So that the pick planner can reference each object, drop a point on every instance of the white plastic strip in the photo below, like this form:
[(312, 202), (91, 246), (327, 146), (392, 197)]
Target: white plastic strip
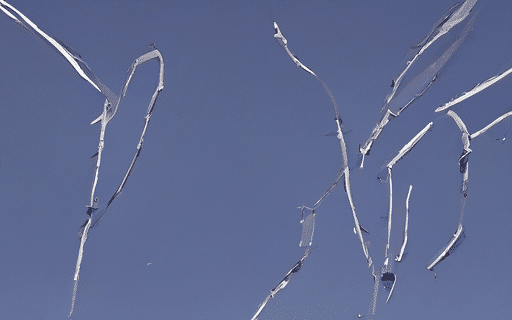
[(478, 88), (410, 145), (404, 244)]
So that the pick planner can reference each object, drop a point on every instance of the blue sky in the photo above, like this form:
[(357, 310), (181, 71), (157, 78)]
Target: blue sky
[(207, 223)]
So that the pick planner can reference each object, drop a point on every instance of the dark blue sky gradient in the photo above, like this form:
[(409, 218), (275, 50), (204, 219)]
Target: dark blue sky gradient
[(207, 223)]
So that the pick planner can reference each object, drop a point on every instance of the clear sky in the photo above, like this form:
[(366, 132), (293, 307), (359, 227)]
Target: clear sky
[(208, 222)]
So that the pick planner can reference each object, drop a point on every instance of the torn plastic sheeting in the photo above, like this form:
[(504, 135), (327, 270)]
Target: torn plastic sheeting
[(417, 87), (308, 228), (456, 14)]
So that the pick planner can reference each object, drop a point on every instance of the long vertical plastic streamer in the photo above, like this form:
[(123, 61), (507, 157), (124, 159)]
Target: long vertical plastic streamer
[(109, 110), (344, 169)]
